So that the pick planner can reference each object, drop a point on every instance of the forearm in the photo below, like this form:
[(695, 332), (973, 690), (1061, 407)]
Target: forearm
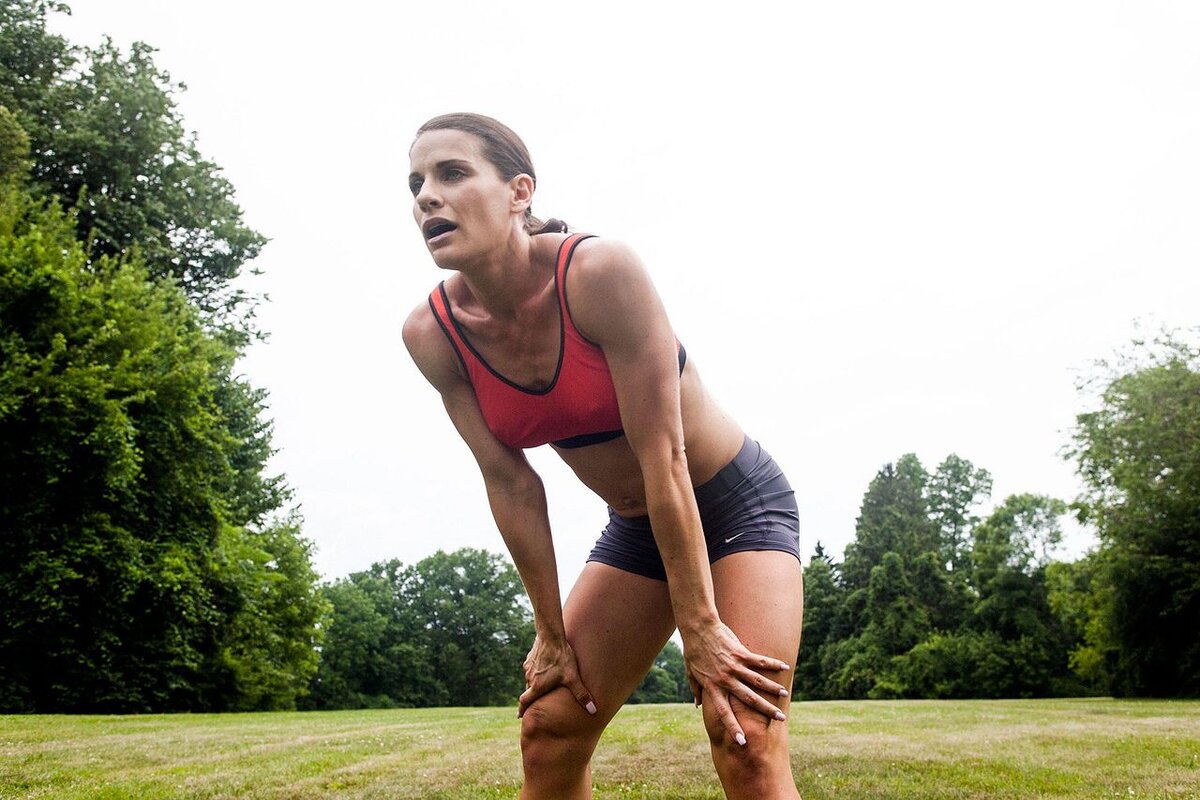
[(524, 524), (680, 539)]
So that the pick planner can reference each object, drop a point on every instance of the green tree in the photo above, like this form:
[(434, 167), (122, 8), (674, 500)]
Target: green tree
[(1139, 456), (478, 624), (894, 519), (108, 140), (130, 571), (666, 682), (453, 629), (1079, 600), (954, 489), (374, 654), (823, 598)]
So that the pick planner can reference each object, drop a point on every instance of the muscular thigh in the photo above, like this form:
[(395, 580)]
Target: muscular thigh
[(616, 622), (760, 596)]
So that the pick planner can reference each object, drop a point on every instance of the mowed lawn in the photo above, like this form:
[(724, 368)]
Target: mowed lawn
[(882, 749)]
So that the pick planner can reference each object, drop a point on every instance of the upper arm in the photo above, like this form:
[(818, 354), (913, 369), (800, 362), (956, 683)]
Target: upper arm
[(614, 303), (504, 469)]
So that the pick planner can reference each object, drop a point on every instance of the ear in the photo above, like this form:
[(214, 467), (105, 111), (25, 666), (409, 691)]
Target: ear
[(522, 192)]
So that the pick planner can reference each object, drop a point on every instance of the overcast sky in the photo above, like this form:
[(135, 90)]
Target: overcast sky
[(879, 228)]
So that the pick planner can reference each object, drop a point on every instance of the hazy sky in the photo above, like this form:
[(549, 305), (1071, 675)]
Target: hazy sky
[(878, 227)]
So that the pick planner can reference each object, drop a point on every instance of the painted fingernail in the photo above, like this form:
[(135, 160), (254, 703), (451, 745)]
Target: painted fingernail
[(783, 693), (779, 716), (740, 738), (783, 665), (591, 707)]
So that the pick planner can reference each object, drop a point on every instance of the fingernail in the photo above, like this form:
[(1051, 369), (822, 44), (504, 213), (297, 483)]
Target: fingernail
[(779, 716), (783, 693), (783, 665), (739, 738), (591, 707), (696, 700)]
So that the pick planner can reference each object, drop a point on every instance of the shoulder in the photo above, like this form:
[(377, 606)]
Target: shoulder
[(607, 273), (598, 260), (609, 290), (429, 348)]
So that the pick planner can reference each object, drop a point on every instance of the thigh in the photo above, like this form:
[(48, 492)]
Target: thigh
[(760, 596), (616, 622)]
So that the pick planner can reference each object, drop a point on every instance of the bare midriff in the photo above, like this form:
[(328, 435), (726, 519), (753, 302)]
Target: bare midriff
[(611, 470)]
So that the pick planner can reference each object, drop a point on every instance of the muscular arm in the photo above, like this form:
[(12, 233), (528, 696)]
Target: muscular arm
[(517, 499), (613, 302)]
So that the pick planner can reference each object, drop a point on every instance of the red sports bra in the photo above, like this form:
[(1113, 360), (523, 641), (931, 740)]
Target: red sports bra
[(577, 409)]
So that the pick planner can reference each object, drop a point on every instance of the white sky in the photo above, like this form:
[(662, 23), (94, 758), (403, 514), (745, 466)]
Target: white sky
[(878, 227)]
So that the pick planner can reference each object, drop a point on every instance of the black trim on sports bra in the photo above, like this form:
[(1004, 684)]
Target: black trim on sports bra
[(562, 348), (585, 439)]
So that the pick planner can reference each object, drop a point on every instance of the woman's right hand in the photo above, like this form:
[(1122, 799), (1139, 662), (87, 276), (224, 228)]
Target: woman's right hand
[(550, 664)]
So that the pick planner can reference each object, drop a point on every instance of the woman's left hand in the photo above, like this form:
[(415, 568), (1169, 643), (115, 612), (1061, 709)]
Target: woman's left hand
[(720, 667)]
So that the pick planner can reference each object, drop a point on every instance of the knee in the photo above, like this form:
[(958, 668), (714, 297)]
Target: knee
[(756, 766), (555, 729)]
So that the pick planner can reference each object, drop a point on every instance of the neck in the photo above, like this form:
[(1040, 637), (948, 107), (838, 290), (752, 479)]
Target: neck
[(505, 279)]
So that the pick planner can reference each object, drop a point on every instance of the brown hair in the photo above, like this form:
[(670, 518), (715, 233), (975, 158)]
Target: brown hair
[(504, 150)]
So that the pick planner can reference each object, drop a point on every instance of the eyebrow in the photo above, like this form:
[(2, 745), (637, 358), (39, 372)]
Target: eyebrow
[(449, 162)]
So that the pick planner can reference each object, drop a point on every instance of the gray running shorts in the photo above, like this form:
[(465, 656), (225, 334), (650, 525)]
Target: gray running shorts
[(748, 505)]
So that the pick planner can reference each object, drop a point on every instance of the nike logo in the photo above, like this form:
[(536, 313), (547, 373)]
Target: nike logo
[(736, 535)]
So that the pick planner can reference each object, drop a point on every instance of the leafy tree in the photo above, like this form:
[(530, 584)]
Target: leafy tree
[(478, 625), (1020, 534), (451, 630), (666, 682), (134, 570), (1079, 600), (954, 489), (14, 151), (108, 140), (824, 598), (894, 519), (374, 655), (1139, 456)]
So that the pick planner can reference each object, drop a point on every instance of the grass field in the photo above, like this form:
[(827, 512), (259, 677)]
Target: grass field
[(908, 749)]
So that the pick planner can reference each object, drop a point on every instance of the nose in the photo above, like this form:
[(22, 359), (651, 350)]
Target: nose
[(427, 198)]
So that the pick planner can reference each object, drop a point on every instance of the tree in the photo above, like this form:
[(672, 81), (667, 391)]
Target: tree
[(374, 654), (894, 519), (478, 624), (108, 141), (823, 598), (1139, 456), (1019, 535), (452, 630), (956, 487), (147, 564), (666, 682)]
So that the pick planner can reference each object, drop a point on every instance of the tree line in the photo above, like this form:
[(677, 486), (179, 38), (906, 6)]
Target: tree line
[(149, 561), (933, 600)]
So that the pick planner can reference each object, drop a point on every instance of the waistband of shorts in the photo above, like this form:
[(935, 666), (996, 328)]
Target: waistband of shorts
[(732, 475)]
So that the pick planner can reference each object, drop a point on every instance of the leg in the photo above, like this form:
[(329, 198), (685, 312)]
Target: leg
[(760, 596), (616, 622)]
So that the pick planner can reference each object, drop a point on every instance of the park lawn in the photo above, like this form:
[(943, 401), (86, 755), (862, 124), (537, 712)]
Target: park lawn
[(1091, 748)]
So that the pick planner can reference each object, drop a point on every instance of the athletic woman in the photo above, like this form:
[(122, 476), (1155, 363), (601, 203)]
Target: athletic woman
[(539, 337)]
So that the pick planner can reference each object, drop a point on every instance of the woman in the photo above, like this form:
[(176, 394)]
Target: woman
[(539, 337)]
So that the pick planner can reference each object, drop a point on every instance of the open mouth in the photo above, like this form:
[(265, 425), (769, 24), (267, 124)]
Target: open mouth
[(436, 227)]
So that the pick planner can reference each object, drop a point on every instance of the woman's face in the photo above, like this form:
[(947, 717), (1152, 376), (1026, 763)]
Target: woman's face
[(461, 204)]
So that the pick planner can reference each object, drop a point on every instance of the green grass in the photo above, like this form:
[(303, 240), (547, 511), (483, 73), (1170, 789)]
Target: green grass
[(905, 749)]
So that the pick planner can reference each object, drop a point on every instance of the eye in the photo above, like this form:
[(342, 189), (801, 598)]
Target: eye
[(453, 174), (414, 185)]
